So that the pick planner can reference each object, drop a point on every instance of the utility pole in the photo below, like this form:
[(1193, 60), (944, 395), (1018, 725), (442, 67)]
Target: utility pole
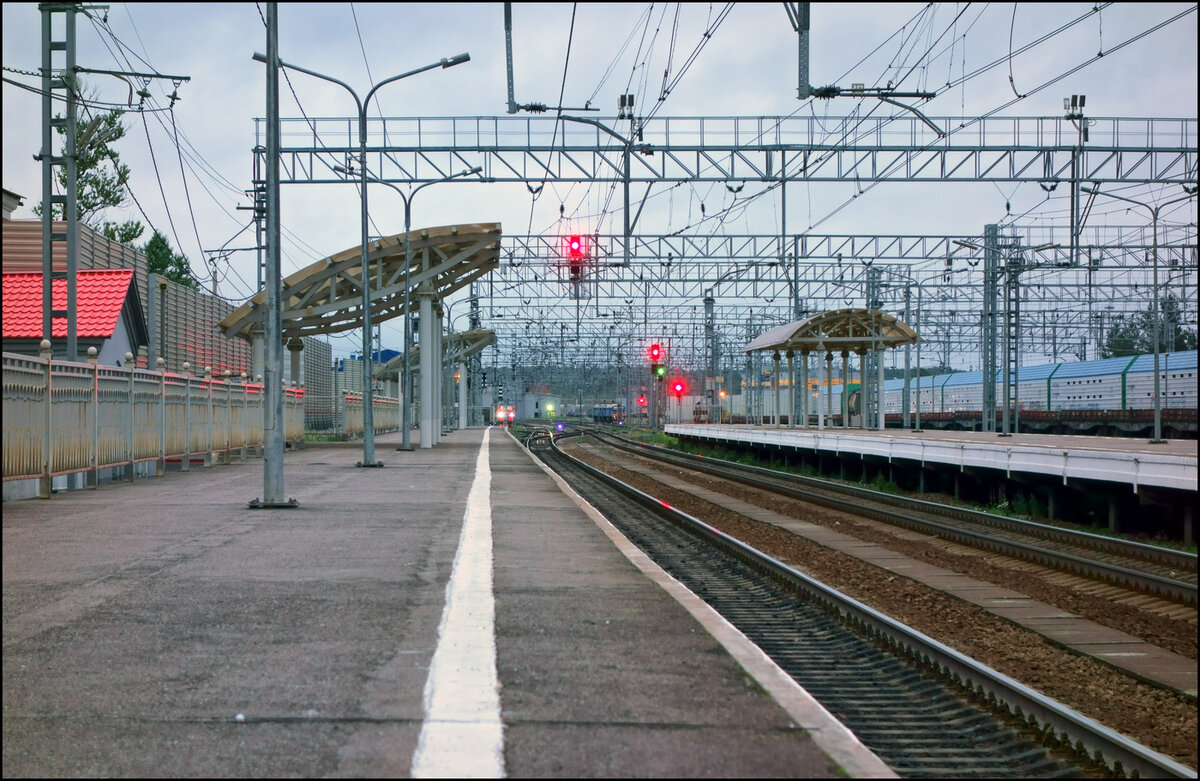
[(991, 273), (273, 423), (66, 87)]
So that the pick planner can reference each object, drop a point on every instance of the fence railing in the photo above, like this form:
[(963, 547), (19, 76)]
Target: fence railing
[(64, 418)]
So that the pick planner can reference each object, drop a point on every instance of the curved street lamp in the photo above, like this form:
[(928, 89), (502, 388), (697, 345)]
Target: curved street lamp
[(368, 402), (405, 375)]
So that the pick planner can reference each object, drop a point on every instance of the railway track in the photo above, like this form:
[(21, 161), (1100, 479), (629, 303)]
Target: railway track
[(1165, 573), (925, 709)]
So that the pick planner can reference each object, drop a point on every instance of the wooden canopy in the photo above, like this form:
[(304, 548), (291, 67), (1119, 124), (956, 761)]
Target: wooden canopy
[(849, 330), (326, 297)]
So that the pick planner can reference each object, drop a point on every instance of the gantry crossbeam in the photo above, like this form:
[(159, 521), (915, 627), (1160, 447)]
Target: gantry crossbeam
[(732, 149), (541, 317)]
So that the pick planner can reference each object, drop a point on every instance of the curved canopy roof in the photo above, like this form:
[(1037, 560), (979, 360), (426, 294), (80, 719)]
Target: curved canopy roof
[(458, 347), (326, 297), (850, 330)]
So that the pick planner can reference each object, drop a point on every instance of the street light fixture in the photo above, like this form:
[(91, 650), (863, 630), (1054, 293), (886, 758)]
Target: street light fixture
[(368, 398), (1154, 211), (406, 376)]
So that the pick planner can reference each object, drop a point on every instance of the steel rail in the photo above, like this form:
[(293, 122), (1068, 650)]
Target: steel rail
[(760, 477), (1039, 712)]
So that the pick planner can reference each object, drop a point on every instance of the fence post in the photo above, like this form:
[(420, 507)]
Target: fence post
[(160, 467), (47, 420), (228, 416), (130, 439), (345, 414), (93, 479), (210, 457), (187, 418), (244, 417)]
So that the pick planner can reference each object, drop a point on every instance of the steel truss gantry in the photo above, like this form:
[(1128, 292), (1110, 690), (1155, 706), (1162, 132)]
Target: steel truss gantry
[(541, 317), (668, 150), (655, 287)]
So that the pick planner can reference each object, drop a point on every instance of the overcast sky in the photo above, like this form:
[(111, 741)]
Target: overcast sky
[(747, 68)]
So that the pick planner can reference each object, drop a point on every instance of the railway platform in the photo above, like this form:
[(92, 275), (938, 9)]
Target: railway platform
[(1128, 472), (454, 613)]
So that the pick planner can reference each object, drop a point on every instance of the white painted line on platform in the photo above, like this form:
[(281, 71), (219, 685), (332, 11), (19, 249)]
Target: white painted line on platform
[(463, 736)]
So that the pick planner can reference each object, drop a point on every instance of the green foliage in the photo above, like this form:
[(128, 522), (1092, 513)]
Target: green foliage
[(161, 259), (1133, 334), (101, 177), (883, 485), (123, 233)]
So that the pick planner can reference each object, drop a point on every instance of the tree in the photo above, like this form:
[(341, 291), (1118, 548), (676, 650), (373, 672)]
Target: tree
[(1133, 334), (100, 175), (162, 260)]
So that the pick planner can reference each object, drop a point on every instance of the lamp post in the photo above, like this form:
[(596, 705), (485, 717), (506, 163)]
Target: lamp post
[(368, 400), (462, 380), (1154, 211), (405, 375)]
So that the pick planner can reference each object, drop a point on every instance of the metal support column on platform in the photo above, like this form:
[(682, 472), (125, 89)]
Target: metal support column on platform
[(462, 394), (863, 394), (846, 389), (791, 355), (828, 388), (775, 385), (804, 390), (429, 420), (879, 390)]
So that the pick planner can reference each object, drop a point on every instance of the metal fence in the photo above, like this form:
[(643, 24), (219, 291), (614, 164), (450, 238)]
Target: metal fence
[(65, 418)]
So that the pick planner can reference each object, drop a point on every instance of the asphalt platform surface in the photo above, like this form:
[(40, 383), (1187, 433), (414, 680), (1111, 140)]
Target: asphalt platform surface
[(162, 628)]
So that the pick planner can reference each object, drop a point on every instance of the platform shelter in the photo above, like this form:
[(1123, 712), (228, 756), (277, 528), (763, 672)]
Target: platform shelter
[(859, 331)]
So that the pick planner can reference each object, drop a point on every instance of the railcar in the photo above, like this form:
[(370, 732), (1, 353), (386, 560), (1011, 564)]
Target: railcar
[(1101, 391)]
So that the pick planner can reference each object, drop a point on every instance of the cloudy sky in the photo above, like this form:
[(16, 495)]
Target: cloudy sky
[(746, 68)]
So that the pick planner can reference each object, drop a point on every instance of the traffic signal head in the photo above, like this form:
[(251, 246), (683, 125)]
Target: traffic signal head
[(642, 401), (660, 372), (656, 353), (678, 388), (575, 249)]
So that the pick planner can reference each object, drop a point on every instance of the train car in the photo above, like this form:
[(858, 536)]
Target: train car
[(608, 413), (1093, 385), (1101, 388), (1177, 381)]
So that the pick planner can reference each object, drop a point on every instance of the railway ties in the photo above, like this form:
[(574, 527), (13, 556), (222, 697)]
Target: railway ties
[(881, 696)]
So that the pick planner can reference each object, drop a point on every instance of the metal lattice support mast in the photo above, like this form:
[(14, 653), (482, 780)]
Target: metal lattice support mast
[(529, 303), (65, 87)]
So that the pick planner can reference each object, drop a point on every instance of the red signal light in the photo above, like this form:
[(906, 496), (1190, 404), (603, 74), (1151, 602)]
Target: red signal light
[(575, 248), (677, 387), (642, 400), (656, 353)]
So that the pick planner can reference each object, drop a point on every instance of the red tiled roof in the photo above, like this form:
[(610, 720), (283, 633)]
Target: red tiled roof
[(100, 295)]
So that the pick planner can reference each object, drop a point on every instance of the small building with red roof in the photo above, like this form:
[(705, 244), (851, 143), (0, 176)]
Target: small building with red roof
[(108, 314)]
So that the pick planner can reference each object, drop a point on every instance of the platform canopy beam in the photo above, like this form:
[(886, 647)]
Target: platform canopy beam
[(325, 297)]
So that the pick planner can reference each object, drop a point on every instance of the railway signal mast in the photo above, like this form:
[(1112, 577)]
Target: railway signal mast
[(658, 370)]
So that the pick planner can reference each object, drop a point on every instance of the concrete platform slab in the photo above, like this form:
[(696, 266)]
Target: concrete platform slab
[(162, 628)]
